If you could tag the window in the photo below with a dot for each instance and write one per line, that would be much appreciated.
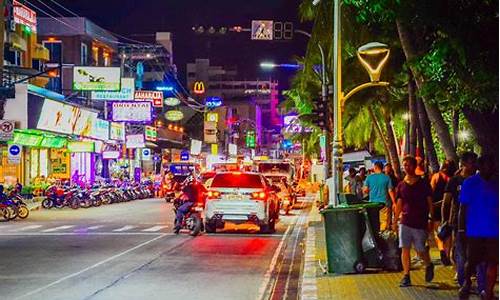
(37, 65)
(55, 49)
(107, 59)
(84, 54)
(237, 180)
(14, 57)
(95, 55)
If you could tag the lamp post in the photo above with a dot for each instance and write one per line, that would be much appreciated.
(364, 52)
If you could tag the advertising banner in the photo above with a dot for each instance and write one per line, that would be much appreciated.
(96, 78)
(126, 93)
(135, 141)
(111, 154)
(195, 147)
(233, 149)
(84, 122)
(131, 111)
(117, 131)
(6, 130)
(100, 129)
(154, 96)
(25, 16)
(58, 117)
(174, 115)
(150, 133)
(81, 146)
(210, 132)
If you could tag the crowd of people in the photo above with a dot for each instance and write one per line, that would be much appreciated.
(455, 209)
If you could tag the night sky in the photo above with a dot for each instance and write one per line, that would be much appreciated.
(137, 19)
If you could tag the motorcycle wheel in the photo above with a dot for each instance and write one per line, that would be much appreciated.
(4, 214)
(47, 203)
(97, 202)
(195, 228)
(13, 212)
(23, 212)
(74, 204)
(59, 204)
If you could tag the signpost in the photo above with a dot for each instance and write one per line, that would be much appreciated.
(14, 153)
(262, 30)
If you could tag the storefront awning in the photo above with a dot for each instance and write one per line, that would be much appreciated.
(53, 142)
(81, 147)
(27, 139)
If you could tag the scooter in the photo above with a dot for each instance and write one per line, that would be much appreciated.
(192, 220)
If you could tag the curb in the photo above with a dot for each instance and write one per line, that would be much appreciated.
(308, 284)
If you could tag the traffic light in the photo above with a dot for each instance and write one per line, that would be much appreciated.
(250, 139)
(320, 112)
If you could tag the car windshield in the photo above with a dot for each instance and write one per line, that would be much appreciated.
(274, 167)
(230, 180)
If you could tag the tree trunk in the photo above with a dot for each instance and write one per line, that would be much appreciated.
(379, 130)
(392, 143)
(485, 127)
(413, 114)
(425, 127)
(455, 126)
(433, 112)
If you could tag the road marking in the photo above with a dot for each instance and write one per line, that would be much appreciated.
(267, 275)
(80, 233)
(300, 222)
(124, 228)
(89, 268)
(95, 227)
(154, 228)
(28, 227)
(58, 228)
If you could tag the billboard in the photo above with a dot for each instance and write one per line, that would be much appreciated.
(174, 115)
(96, 78)
(100, 129)
(262, 30)
(131, 111)
(83, 122)
(210, 132)
(126, 92)
(117, 131)
(154, 96)
(58, 117)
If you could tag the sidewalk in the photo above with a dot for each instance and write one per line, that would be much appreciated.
(316, 284)
(35, 203)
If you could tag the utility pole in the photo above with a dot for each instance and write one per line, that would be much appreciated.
(337, 96)
(2, 39)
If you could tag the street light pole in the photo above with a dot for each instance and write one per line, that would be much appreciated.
(337, 120)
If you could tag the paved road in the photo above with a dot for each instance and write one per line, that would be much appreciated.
(128, 251)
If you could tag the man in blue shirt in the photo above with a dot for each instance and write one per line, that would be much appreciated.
(379, 188)
(479, 197)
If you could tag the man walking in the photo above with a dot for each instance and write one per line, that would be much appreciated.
(479, 197)
(413, 212)
(379, 188)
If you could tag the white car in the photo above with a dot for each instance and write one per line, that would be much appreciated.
(241, 197)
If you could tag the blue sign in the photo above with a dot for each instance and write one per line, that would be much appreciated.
(14, 150)
(212, 102)
(185, 155)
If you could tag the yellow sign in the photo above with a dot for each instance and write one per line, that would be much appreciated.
(214, 149)
(199, 88)
(212, 117)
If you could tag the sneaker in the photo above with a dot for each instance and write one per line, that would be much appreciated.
(429, 273)
(405, 282)
(444, 258)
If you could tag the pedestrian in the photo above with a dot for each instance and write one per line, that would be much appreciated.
(360, 181)
(413, 207)
(350, 187)
(479, 197)
(389, 171)
(450, 213)
(438, 184)
(379, 188)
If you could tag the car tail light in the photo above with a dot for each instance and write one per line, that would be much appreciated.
(213, 194)
(259, 196)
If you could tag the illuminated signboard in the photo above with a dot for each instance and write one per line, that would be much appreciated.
(250, 139)
(117, 131)
(25, 16)
(171, 101)
(212, 117)
(84, 122)
(131, 111)
(100, 129)
(174, 115)
(154, 96)
(96, 78)
(262, 30)
(150, 133)
(135, 141)
(199, 88)
(212, 102)
(126, 93)
(81, 146)
(111, 154)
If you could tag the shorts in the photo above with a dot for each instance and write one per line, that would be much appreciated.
(409, 235)
(482, 249)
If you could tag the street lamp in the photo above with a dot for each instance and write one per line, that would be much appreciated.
(270, 65)
(369, 51)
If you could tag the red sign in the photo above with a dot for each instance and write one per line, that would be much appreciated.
(24, 15)
(154, 96)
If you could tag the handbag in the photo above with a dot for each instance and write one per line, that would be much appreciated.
(444, 231)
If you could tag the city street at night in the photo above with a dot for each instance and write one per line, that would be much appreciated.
(128, 251)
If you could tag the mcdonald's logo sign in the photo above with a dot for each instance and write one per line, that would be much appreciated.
(199, 88)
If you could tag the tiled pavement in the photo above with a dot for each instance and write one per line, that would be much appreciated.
(371, 285)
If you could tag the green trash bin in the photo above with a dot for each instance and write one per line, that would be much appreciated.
(343, 233)
(373, 209)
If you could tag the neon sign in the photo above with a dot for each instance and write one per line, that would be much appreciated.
(199, 88)
(212, 102)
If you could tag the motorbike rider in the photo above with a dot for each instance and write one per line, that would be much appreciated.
(192, 192)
